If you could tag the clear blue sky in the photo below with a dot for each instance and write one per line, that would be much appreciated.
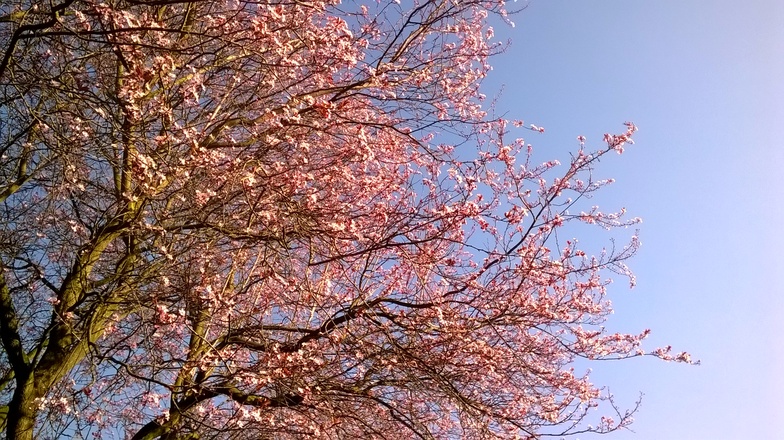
(704, 81)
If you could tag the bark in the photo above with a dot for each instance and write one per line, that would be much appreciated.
(22, 410)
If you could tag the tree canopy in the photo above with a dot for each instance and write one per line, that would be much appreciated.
(288, 219)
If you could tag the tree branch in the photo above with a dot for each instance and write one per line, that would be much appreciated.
(21, 30)
(9, 331)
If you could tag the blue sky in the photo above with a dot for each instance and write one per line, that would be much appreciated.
(704, 81)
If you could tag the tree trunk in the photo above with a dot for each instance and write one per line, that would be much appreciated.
(22, 410)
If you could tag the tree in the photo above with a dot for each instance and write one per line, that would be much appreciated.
(263, 219)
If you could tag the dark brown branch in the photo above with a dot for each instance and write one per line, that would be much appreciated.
(9, 331)
(21, 30)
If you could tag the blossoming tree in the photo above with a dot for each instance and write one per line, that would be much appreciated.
(286, 219)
